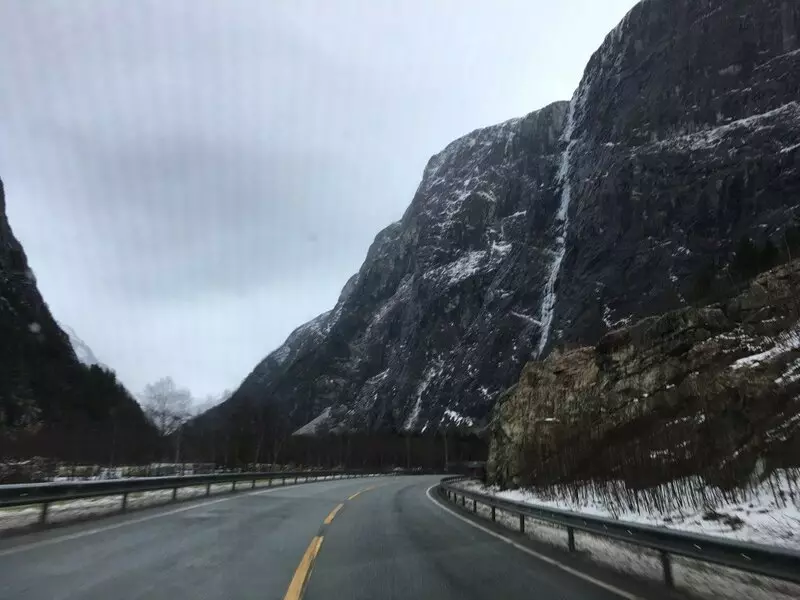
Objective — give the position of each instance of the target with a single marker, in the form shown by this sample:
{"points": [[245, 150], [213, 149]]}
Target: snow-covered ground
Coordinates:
{"points": [[699, 579], [757, 515]]}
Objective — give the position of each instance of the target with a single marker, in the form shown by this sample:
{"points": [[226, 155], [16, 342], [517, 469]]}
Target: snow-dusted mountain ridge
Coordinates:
{"points": [[683, 136], [81, 348]]}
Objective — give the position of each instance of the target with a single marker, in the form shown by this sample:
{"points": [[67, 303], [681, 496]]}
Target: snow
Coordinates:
{"points": [[756, 516], [35, 328], [790, 149], [478, 144], [377, 378], [607, 316], [457, 418], [312, 426], [527, 318], [787, 342], [693, 578], [281, 354], [402, 293], [501, 248], [731, 70], [791, 374], [60, 512], [710, 138], [433, 371], [793, 53], [63, 512], [487, 195], [464, 267]]}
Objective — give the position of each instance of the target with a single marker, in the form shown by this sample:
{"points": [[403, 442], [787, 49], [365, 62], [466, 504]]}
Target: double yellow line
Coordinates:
{"points": [[301, 576]]}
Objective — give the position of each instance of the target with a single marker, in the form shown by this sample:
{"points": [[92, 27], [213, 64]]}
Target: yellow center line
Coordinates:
{"points": [[303, 572], [330, 517], [372, 487]]}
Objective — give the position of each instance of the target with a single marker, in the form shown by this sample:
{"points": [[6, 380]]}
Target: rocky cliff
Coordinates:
{"points": [[698, 391], [50, 403], [683, 137]]}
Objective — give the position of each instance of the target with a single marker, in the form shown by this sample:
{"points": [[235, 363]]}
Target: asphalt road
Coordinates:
{"points": [[320, 540]]}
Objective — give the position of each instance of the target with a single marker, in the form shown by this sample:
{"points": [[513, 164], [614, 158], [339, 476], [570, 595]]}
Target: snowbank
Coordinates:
{"points": [[768, 513]]}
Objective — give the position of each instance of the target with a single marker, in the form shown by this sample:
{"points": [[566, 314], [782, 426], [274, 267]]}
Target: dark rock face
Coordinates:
{"points": [[697, 391], [43, 386], [688, 125], [683, 136]]}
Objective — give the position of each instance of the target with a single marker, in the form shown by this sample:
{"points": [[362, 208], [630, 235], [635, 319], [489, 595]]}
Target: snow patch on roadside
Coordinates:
{"points": [[757, 517]]}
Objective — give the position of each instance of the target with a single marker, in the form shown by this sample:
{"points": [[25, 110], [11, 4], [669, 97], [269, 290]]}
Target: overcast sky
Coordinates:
{"points": [[194, 179]]}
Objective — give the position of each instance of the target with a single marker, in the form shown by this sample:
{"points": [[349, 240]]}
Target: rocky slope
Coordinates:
{"points": [[683, 136], [50, 403], [698, 391]]}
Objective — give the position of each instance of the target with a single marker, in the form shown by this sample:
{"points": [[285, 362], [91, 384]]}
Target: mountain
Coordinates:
{"points": [[51, 404], [82, 351], [682, 140], [711, 391]]}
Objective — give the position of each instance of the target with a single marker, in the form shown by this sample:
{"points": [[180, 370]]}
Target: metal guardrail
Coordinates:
{"points": [[778, 563], [45, 494]]}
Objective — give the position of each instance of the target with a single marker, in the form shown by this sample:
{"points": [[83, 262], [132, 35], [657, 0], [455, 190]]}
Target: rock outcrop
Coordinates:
{"points": [[50, 403], [697, 391], [683, 137]]}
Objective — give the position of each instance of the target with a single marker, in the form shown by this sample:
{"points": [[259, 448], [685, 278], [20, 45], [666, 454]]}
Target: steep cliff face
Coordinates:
{"points": [[50, 403], [697, 391], [440, 317], [687, 137], [683, 136]]}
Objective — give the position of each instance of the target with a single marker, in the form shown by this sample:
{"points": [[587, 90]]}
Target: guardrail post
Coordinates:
{"points": [[174, 494], [522, 523], [124, 506], [233, 487], [295, 478], [666, 563], [494, 516], [463, 500], [43, 514], [253, 485], [284, 480], [474, 506], [208, 489], [571, 539]]}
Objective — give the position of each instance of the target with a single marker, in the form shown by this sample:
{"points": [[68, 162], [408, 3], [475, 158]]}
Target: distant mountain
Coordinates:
{"points": [[630, 200], [51, 404]]}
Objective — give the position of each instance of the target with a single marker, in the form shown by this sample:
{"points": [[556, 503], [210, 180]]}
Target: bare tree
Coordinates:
{"points": [[168, 407]]}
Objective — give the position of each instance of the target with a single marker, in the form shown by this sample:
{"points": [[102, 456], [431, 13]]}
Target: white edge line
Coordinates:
{"points": [[533, 553], [88, 532]]}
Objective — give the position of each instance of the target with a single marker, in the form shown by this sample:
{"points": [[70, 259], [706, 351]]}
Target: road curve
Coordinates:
{"points": [[349, 539]]}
